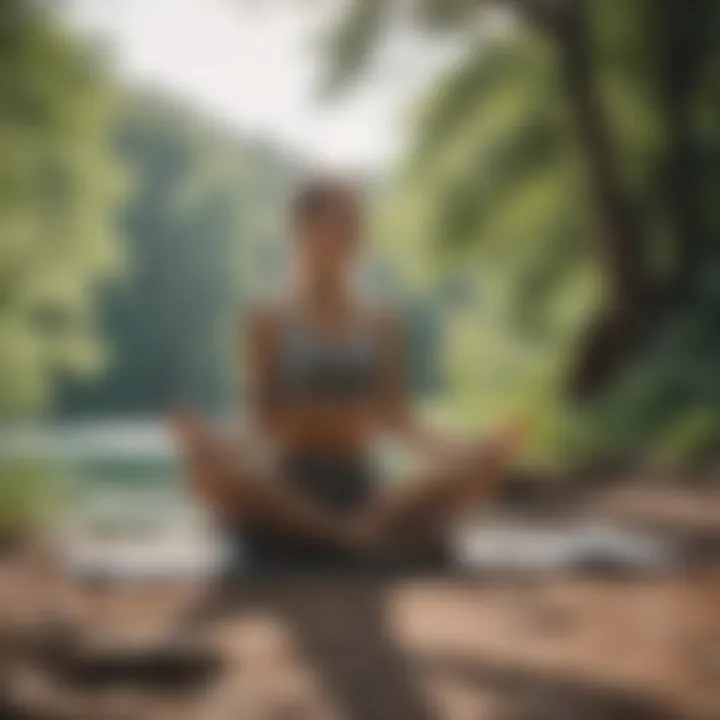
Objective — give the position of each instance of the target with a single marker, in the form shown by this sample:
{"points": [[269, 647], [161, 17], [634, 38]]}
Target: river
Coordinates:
{"points": [[125, 512]]}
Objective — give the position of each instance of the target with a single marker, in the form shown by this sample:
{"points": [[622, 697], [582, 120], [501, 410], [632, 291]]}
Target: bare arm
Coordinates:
{"points": [[258, 333], [397, 411]]}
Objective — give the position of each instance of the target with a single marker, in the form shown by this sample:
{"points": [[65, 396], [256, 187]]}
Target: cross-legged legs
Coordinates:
{"points": [[426, 506], [236, 494]]}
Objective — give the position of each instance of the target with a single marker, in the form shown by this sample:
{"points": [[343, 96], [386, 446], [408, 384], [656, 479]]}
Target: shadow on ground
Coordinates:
{"points": [[368, 676]]}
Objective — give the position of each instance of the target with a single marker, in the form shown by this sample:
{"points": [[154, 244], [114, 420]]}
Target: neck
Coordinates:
{"points": [[324, 294]]}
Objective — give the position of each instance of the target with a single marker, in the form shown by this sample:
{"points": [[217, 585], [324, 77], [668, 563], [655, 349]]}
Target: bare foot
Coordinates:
{"points": [[494, 456], [216, 478], [503, 444], [188, 429], [198, 448], [511, 436], [430, 508]]}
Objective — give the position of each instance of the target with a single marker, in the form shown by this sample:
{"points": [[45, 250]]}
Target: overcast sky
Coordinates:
{"points": [[259, 68]]}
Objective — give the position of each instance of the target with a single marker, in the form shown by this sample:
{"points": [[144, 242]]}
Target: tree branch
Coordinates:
{"points": [[619, 240], [619, 226]]}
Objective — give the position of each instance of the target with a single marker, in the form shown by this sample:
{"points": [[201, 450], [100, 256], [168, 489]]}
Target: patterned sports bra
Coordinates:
{"points": [[311, 365]]}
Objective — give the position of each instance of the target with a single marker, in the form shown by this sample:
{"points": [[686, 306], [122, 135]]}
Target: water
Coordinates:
{"points": [[509, 545], [127, 515]]}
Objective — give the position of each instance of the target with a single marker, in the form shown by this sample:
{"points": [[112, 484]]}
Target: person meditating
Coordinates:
{"points": [[326, 378]]}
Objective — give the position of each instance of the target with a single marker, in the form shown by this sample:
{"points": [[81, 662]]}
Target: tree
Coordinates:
{"points": [[202, 229], [57, 182], [575, 153]]}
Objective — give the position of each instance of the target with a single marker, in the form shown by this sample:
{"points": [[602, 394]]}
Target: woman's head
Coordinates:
{"points": [[327, 218]]}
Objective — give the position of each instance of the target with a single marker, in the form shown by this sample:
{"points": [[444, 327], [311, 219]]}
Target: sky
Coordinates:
{"points": [[255, 65]]}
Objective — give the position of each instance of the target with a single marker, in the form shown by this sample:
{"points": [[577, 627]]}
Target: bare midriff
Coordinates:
{"points": [[324, 427]]}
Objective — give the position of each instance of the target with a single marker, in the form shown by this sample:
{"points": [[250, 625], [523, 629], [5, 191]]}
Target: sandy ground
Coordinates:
{"points": [[522, 647]]}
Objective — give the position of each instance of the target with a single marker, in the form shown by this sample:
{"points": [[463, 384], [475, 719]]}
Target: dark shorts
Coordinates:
{"points": [[340, 483]]}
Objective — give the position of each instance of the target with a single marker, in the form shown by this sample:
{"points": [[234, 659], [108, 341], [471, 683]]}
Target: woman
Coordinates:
{"points": [[326, 377]]}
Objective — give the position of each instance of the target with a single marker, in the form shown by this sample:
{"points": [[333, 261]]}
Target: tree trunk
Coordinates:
{"points": [[619, 241], [636, 301], [683, 35]]}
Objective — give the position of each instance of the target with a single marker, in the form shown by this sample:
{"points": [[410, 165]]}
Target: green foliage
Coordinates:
{"points": [[56, 185], [203, 231], [352, 41], [29, 496], [493, 193]]}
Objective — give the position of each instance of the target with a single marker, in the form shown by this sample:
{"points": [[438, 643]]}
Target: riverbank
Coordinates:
{"points": [[547, 647], [526, 645]]}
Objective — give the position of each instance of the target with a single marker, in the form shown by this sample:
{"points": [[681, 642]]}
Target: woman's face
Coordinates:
{"points": [[329, 240]]}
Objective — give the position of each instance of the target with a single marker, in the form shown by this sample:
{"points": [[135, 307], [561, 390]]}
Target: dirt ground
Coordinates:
{"points": [[546, 646]]}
